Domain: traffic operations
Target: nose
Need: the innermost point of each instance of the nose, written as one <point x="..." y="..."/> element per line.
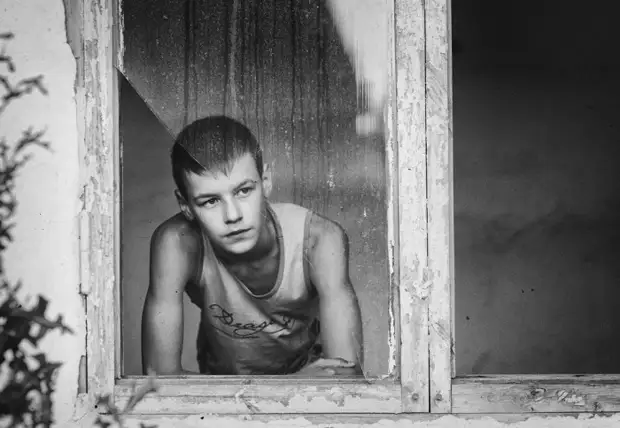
<point x="232" y="212"/>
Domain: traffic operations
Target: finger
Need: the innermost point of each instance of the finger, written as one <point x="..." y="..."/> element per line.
<point x="341" y="362"/>
<point x="334" y="362"/>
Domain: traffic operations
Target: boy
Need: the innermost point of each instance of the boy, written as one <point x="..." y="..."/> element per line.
<point x="264" y="275"/>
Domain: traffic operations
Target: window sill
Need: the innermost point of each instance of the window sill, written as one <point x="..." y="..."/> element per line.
<point x="186" y="395"/>
<point x="536" y="394"/>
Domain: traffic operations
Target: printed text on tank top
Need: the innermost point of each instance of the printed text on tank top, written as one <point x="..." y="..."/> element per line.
<point x="262" y="318"/>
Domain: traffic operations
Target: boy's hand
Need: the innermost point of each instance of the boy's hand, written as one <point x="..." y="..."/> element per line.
<point x="328" y="367"/>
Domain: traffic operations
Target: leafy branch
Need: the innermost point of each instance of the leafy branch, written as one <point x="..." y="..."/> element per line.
<point x="27" y="377"/>
<point x="115" y="415"/>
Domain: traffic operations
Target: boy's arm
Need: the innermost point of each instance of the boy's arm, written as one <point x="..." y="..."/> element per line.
<point x="162" y="317"/>
<point x="339" y="312"/>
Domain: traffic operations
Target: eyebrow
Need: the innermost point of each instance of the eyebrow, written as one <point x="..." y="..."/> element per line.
<point x="237" y="187"/>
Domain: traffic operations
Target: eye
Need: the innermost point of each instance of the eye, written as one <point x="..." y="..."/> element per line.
<point x="208" y="203"/>
<point x="245" y="191"/>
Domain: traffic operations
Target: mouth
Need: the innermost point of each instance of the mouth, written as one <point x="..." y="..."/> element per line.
<point x="237" y="233"/>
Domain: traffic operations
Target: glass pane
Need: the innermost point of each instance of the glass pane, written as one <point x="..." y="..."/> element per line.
<point x="536" y="147"/>
<point x="279" y="68"/>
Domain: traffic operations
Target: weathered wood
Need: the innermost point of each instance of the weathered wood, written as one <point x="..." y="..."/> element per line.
<point x="95" y="98"/>
<point x="556" y="378"/>
<point x="541" y="393"/>
<point x="118" y="35"/>
<point x="350" y="419"/>
<point x="412" y="226"/>
<point x="118" y="47"/>
<point x="391" y="159"/>
<point x="439" y="164"/>
<point x="241" y="395"/>
<point x="452" y="245"/>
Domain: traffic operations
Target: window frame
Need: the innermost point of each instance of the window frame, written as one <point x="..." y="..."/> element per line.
<point x="404" y="390"/>
<point x="420" y="249"/>
<point x="497" y="395"/>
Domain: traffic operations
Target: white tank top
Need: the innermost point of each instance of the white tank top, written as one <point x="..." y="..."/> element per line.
<point x="276" y="333"/>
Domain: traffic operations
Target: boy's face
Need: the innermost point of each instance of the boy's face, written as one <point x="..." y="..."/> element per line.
<point x="229" y="208"/>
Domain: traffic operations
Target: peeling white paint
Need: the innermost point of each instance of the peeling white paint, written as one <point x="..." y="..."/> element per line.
<point x="120" y="45"/>
<point x="447" y="421"/>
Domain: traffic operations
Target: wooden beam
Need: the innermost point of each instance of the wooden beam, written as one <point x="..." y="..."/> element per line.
<point x="440" y="200"/>
<point x="261" y="395"/>
<point x="96" y="103"/>
<point x="540" y="393"/>
<point x="412" y="207"/>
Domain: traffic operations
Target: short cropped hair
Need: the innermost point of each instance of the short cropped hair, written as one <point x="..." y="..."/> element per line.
<point x="210" y="144"/>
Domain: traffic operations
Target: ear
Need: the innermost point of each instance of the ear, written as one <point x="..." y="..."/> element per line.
<point x="267" y="183"/>
<point x="183" y="205"/>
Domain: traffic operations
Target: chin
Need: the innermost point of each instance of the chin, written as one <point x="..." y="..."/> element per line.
<point x="241" y="247"/>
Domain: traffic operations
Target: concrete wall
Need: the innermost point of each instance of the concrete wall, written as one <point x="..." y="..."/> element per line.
<point x="45" y="253"/>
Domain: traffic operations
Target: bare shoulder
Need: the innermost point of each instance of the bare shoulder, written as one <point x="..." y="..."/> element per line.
<point x="174" y="246"/>
<point x="326" y="235"/>
<point x="176" y="234"/>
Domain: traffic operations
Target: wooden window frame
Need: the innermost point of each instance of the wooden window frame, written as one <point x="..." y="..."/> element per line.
<point x="404" y="389"/>
<point x="420" y="242"/>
